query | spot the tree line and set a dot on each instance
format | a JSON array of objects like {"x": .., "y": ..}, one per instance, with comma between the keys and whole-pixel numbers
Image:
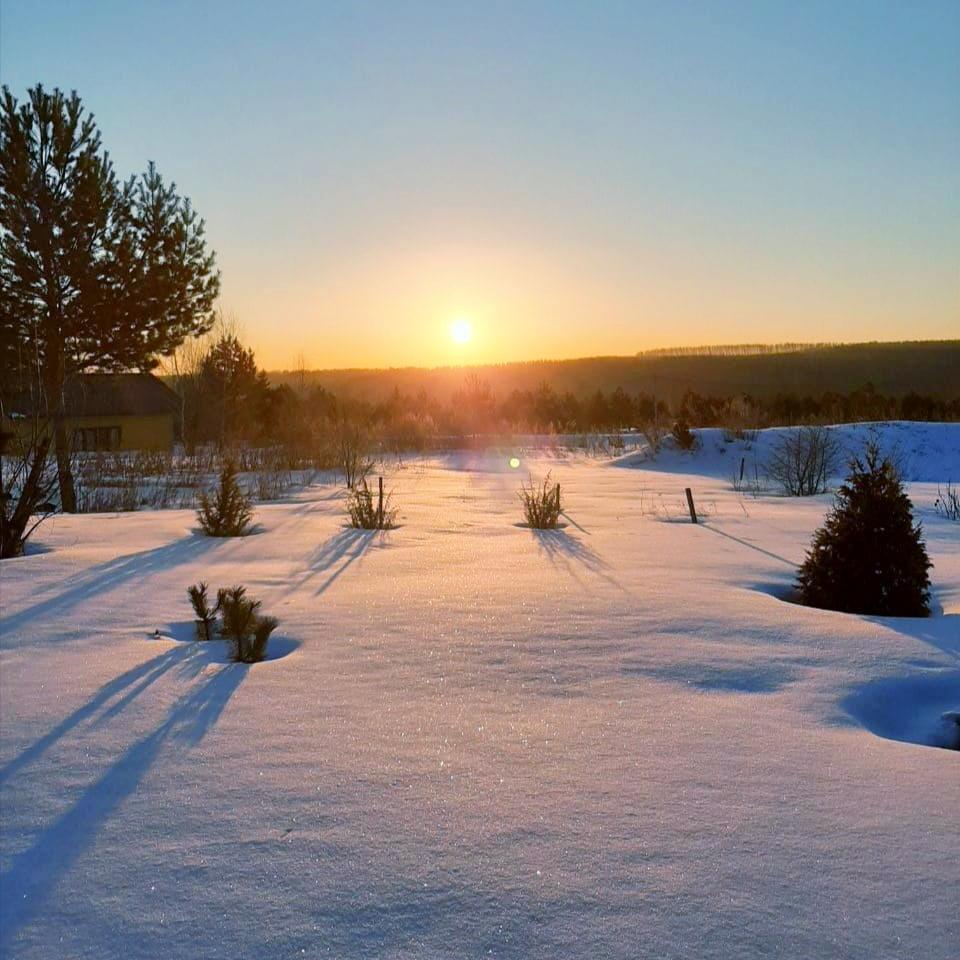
[{"x": 228, "y": 402}]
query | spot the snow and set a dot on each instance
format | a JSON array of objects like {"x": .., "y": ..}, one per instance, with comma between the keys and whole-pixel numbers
[{"x": 473, "y": 739}]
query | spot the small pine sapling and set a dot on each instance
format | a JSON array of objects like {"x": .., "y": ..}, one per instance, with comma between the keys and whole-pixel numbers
[
  {"x": 541, "y": 504},
  {"x": 238, "y": 613},
  {"x": 243, "y": 626},
  {"x": 205, "y": 614},
  {"x": 257, "y": 648},
  {"x": 227, "y": 513}
]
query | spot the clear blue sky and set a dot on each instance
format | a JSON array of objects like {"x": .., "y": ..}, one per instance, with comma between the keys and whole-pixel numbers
[{"x": 574, "y": 178}]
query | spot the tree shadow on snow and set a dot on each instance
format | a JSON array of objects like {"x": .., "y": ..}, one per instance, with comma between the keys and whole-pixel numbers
[
  {"x": 332, "y": 558},
  {"x": 568, "y": 553},
  {"x": 107, "y": 576},
  {"x": 747, "y": 543},
  {"x": 34, "y": 873},
  {"x": 126, "y": 687},
  {"x": 720, "y": 678}
]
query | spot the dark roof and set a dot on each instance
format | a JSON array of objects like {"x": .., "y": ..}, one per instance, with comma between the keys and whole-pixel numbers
[
  {"x": 119, "y": 394},
  {"x": 112, "y": 395}
]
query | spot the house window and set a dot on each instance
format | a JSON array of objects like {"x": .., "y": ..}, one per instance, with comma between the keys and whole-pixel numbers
[{"x": 94, "y": 439}]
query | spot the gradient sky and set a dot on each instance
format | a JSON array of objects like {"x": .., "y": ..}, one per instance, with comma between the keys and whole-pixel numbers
[{"x": 577, "y": 178}]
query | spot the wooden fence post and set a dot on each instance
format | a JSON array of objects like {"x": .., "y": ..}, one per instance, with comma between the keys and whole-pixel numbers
[
  {"x": 693, "y": 509},
  {"x": 380, "y": 505}
]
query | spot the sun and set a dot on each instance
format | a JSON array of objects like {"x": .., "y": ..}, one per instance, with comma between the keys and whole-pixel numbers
[{"x": 461, "y": 330}]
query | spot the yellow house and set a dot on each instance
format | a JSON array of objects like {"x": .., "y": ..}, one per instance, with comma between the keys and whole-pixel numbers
[{"x": 119, "y": 411}]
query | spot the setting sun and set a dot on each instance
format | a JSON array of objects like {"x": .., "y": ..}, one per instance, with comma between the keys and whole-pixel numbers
[{"x": 461, "y": 330}]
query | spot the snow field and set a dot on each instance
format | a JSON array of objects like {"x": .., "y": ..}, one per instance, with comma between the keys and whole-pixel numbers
[{"x": 614, "y": 740}]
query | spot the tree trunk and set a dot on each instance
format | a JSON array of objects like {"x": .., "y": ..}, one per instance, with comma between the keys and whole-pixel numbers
[
  {"x": 54, "y": 378},
  {"x": 68, "y": 493}
]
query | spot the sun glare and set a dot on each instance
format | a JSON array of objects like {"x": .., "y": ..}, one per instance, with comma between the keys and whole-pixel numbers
[{"x": 461, "y": 330}]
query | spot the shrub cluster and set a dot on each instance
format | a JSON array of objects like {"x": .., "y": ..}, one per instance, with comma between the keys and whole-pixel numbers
[
  {"x": 947, "y": 503},
  {"x": 802, "y": 461},
  {"x": 541, "y": 504},
  {"x": 869, "y": 557},
  {"x": 683, "y": 436},
  {"x": 369, "y": 512},
  {"x": 241, "y": 622}
]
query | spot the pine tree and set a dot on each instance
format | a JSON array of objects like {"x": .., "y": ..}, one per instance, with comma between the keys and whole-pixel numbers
[
  {"x": 228, "y": 512},
  {"x": 869, "y": 557},
  {"x": 232, "y": 391},
  {"x": 97, "y": 273}
]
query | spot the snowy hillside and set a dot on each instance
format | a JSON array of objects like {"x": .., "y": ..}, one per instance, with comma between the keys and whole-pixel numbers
[
  {"x": 476, "y": 740},
  {"x": 923, "y": 451}
]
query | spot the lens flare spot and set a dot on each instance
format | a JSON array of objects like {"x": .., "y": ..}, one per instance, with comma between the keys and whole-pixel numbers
[{"x": 515, "y": 463}]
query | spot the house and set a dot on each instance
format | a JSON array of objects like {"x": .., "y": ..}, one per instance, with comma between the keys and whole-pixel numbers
[{"x": 115, "y": 411}]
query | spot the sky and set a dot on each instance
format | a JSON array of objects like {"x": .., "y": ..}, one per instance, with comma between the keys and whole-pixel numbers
[{"x": 553, "y": 179}]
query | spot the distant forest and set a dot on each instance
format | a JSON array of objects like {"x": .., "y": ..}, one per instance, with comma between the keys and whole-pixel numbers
[
  {"x": 229, "y": 401},
  {"x": 928, "y": 367}
]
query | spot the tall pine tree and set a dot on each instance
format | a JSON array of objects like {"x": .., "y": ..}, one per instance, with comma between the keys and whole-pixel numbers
[
  {"x": 869, "y": 556},
  {"x": 97, "y": 274}
]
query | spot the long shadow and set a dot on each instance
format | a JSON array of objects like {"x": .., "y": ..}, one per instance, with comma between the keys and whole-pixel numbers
[
  {"x": 131, "y": 684},
  {"x": 567, "y": 516},
  {"x": 333, "y": 557},
  {"x": 566, "y": 552},
  {"x": 719, "y": 677},
  {"x": 34, "y": 873},
  {"x": 747, "y": 543},
  {"x": 107, "y": 576},
  {"x": 303, "y": 510}
]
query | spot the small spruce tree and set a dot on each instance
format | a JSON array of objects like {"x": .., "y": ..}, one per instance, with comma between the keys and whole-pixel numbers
[
  {"x": 228, "y": 512},
  {"x": 869, "y": 556}
]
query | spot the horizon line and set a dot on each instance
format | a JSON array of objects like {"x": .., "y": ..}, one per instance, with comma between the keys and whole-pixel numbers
[{"x": 657, "y": 353}]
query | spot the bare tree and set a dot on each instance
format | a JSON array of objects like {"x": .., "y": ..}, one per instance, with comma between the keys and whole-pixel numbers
[
  {"x": 300, "y": 376},
  {"x": 654, "y": 433},
  {"x": 184, "y": 369},
  {"x": 802, "y": 460},
  {"x": 28, "y": 480},
  {"x": 352, "y": 452}
]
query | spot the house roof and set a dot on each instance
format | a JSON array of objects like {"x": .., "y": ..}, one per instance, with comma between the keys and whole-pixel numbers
[{"x": 111, "y": 395}]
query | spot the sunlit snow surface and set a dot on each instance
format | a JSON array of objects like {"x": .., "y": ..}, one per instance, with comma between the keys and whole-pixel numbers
[{"x": 615, "y": 740}]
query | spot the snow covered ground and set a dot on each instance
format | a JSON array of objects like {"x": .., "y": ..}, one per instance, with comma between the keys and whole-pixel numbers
[{"x": 615, "y": 740}]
